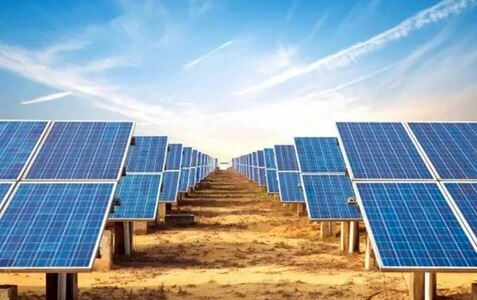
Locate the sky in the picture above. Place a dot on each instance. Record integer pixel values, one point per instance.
(231, 76)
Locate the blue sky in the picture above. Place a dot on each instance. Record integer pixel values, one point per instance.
(232, 76)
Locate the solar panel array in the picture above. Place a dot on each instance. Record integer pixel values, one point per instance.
(52, 219)
(326, 186)
(416, 187)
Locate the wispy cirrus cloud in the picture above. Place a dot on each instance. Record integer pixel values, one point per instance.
(47, 98)
(200, 59)
(433, 14)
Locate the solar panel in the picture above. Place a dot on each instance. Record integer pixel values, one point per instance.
(451, 148)
(174, 157)
(147, 155)
(5, 188)
(262, 176)
(18, 141)
(290, 187)
(82, 150)
(269, 154)
(319, 155)
(413, 227)
(184, 180)
(192, 177)
(53, 226)
(326, 197)
(139, 195)
(464, 195)
(272, 181)
(170, 185)
(186, 157)
(381, 151)
(286, 158)
(260, 158)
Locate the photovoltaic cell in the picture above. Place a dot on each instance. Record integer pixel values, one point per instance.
(260, 159)
(186, 157)
(327, 197)
(139, 196)
(269, 154)
(53, 225)
(174, 157)
(413, 227)
(290, 187)
(147, 155)
(18, 140)
(381, 151)
(272, 181)
(170, 185)
(286, 158)
(319, 155)
(82, 150)
(451, 147)
(465, 197)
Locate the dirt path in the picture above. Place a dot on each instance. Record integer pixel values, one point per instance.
(245, 245)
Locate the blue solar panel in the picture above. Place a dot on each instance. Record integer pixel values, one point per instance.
(139, 195)
(326, 197)
(4, 191)
(147, 155)
(413, 227)
(184, 180)
(262, 176)
(170, 185)
(18, 140)
(319, 155)
(82, 150)
(269, 154)
(53, 225)
(174, 157)
(186, 157)
(381, 151)
(286, 158)
(261, 158)
(451, 148)
(465, 197)
(192, 176)
(272, 181)
(290, 187)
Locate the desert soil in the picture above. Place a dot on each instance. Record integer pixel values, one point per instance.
(245, 245)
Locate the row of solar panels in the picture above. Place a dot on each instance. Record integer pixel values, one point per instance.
(415, 183)
(58, 181)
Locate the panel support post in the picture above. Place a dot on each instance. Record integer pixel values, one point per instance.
(168, 207)
(369, 259)
(128, 238)
(344, 236)
(326, 230)
(56, 286)
(72, 286)
(105, 262)
(416, 286)
(119, 238)
(354, 237)
(300, 209)
(474, 290)
(430, 286)
(161, 213)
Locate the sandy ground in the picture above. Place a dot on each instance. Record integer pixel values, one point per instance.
(245, 245)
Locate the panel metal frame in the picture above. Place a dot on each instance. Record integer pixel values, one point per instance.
(4, 200)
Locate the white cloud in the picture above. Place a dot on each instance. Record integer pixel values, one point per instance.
(47, 98)
(435, 13)
(200, 59)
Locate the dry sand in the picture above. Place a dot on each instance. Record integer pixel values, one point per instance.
(245, 245)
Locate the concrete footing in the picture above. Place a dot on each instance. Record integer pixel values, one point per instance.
(8, 292)
(161, 213)
(180, 219)
(140, 228)
(300, 209)
(105, 261)
(474, 290)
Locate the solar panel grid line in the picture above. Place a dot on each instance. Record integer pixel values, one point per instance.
(442, 147)
(50, 268)
(35, 148)
(56, 145)
(431, 225)
(463, 204)
(6, 188)
(414, 166)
